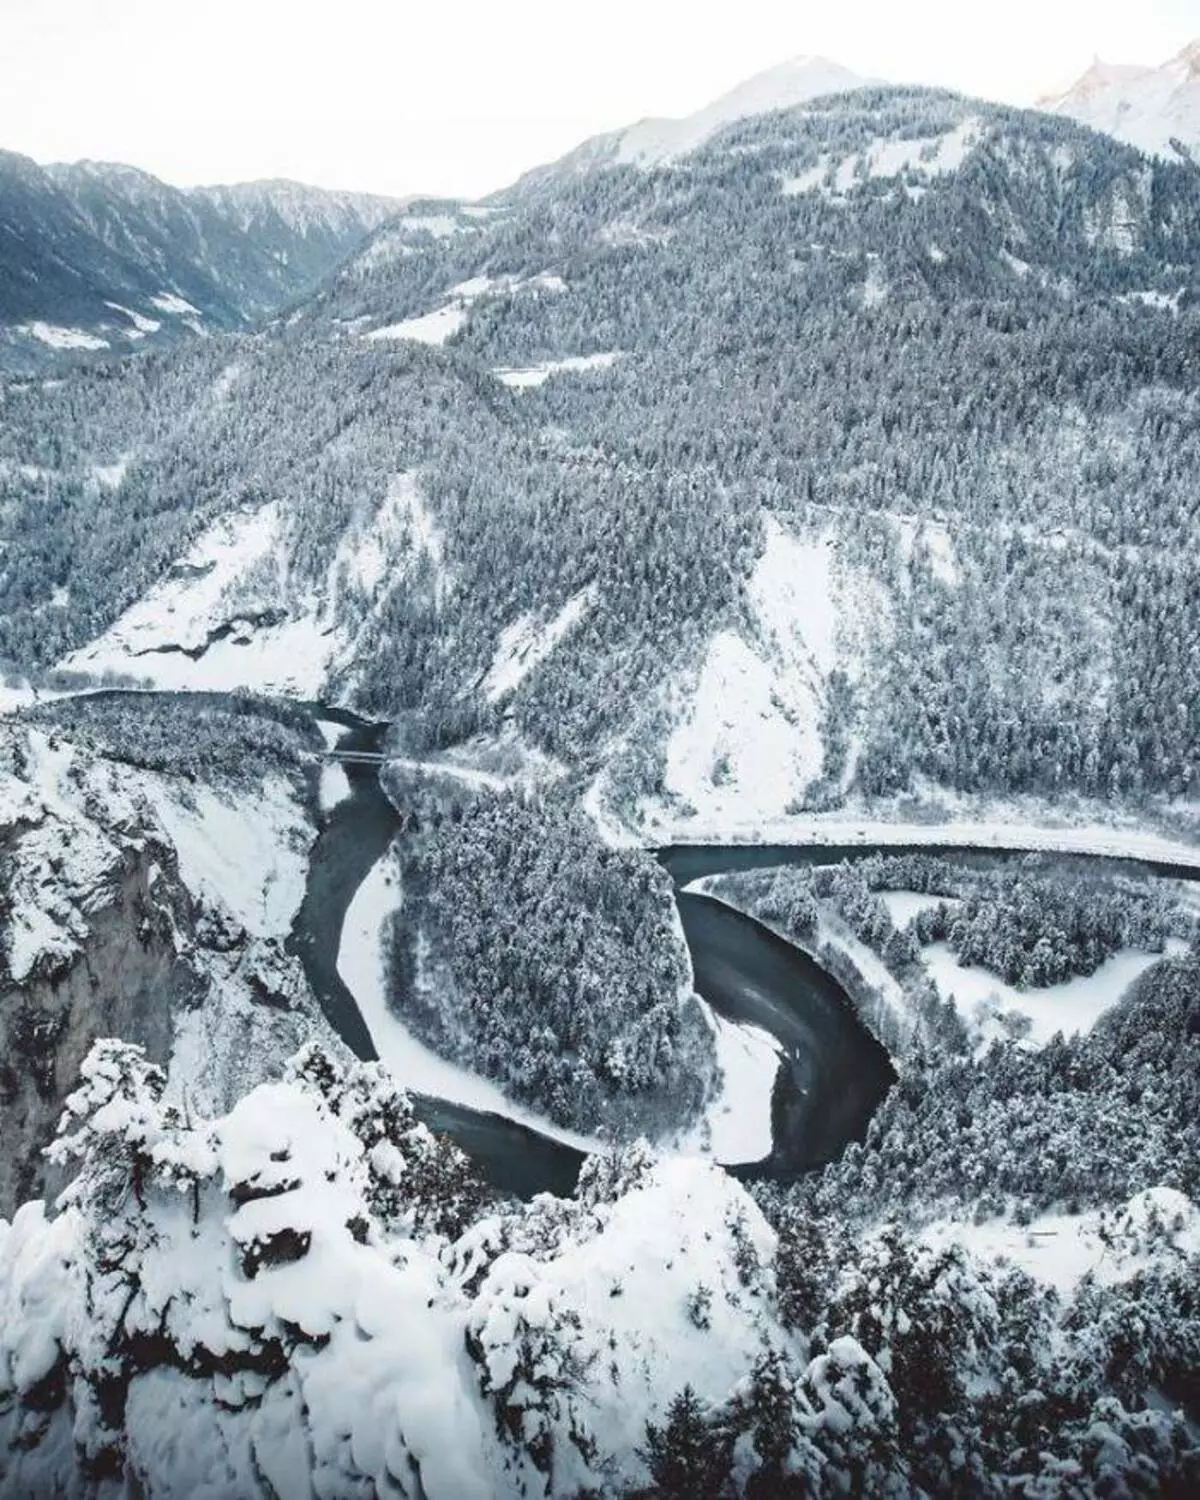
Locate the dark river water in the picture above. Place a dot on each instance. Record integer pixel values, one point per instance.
(832, 1076)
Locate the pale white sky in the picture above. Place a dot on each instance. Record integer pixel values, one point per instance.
(459, 98)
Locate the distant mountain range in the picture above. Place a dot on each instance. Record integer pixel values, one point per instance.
(1155, 109)
(98, 257)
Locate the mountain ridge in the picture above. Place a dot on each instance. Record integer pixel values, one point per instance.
(99, 257)
(1156, 109)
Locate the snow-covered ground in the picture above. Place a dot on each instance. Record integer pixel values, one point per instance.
(214, 622)
(242, 852)
(749, 740)
(985, 1002)
(334, 787)
(921, 156)
(903, 906)
(1116, 840)
(736, 1125)
(1060, 1249)
(526, 643)
(55, 337)
(361, 963)
(527, 377)
(429, 328)
(167, 637)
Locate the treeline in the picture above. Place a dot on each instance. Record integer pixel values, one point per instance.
(1082, 1123)
(224, 738)
(1027, 921)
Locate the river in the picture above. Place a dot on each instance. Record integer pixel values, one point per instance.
(832, 1076)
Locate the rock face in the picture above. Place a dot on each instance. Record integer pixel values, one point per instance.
(128, 981)
(121, 915)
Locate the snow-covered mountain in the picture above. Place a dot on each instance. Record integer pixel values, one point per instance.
(829, 479)
(1155, 109)
(97, 257)
(652, 142)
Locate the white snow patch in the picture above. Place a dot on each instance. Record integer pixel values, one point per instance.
(875, 287)
(440, 226)
(1059, 1250)
(62, 338)
(334, 787)
(430, 328)
(984, 1001)
(183, 610)
(141, 323)
(527, 642)
(903, 906)
(529, 376)
(242, 852)
(1164, 301)
(925, 157)
(111, 476)
(750, 741)
(736, 1125)
(173, 303)
(401, 529)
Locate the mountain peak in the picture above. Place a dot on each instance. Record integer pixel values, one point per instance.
(1155, 109)
(784, 86)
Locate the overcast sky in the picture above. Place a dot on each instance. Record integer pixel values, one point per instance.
(459, 98)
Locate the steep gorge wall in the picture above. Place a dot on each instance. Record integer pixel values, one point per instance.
(128, 981)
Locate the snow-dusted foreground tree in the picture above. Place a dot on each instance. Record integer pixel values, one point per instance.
(313, 1296)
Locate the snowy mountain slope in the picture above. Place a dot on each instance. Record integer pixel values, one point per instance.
(656, 142)
(1155, 109)
(227, 616)
(96, 256)
(803, 308)
(140, 905)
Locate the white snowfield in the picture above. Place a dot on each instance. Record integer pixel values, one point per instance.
(528, 641)
(214, 622)
(529, 377)
(153, 638)
(241, 852)
(1061, 1249)
(736, 1124)
(925, 157)
(430, 328)
(1151, 108)
(749, 739)
(55, 337)
(175, 305)
(441, 323)
(985, 1002)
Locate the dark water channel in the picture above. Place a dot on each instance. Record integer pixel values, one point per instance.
(832, 1075)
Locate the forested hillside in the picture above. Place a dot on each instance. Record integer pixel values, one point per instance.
(949, 343)
(96, 258)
